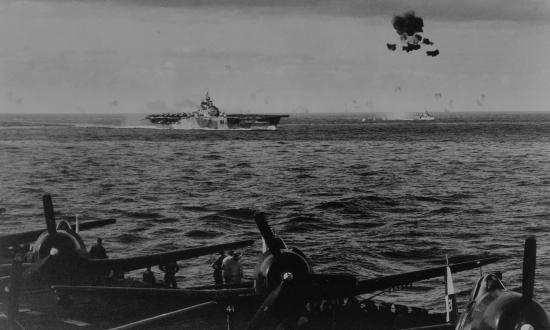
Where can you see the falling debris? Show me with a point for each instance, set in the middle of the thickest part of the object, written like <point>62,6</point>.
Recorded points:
<point>411,47</point>
<point>409,28</point>
<point>437,96</point>
<point>427,41</point>
<point>432,53</point>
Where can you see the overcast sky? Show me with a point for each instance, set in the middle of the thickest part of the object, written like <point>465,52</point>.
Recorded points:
<point>98,56</point>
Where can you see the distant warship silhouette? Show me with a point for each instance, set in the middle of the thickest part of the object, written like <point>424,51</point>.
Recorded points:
<point>209,116</point>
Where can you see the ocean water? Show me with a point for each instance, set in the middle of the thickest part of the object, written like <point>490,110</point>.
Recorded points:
<point>370,199</point>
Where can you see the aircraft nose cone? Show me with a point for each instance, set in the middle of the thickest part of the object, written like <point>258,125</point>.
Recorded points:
<point>526,326</point>
<point>288,277</point>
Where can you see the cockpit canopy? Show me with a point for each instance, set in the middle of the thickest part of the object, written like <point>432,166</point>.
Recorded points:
<point>486,284</point>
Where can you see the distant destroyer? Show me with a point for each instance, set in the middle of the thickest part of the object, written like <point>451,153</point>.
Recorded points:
<point>423,116</point>
<point>208,116</point>
<point>398,117</point>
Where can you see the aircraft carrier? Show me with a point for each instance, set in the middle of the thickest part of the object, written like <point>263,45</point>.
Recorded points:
<point>208,116</point>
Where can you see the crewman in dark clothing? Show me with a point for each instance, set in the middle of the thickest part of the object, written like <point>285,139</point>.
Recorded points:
<point>170,271</point>
<point>217,265</point>
<point>98,251</point>
<point>149,277</point>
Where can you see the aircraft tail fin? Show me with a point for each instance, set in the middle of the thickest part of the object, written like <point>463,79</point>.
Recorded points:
<point>450,298</point>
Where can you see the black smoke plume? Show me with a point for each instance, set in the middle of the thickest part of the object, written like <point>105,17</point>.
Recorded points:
<point>408,24</point>
<point>410,27</point>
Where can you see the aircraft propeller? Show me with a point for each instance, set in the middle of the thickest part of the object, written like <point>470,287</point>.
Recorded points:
<point>288,277</point>
<point>59,252</point>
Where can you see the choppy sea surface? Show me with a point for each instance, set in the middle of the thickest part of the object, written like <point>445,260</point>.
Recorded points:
<point>366,198</point>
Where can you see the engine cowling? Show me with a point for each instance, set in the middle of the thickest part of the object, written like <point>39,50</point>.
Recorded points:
<point>270,270</point>
<point>65,242</point>
<point>511,312</point>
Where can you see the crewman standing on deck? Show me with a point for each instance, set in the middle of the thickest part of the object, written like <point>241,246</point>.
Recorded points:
<point>232,269</point>
<point>226,273</point>
<point>170,270</point>
<point>237,274</point>
<point>149,277</point>
<point>97,251</point>
<point>217,265</point>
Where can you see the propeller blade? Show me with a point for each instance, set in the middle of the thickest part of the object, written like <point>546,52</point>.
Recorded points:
<point>269,302</point>
<point>36,268</point>
<point>133,263</point>
<point>5,269</point>
<point>165,316</point>
<point>49,214</point>
<point>314,286</point>
<point>273,243</point>
<point>529,265</point>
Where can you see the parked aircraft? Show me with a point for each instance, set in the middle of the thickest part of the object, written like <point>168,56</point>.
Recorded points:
<point>285,283</point>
